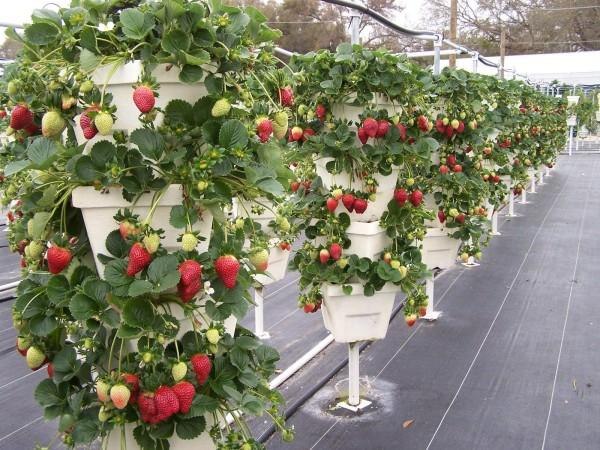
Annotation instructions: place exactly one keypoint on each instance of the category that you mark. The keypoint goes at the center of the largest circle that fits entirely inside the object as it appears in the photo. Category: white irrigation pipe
(9, 286)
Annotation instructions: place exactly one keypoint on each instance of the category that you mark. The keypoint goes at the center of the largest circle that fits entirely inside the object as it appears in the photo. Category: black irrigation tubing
(295, 406)
(379, 18)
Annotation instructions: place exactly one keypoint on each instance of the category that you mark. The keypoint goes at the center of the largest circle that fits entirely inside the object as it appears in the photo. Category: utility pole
(453, 19)
(502, 50)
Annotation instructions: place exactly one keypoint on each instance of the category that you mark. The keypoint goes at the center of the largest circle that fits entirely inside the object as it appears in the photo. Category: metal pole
(259, 314)
(437, 47)
(475, 60)
(431, 314)
(354, 374)
(495, 231)
(355, 29)
(523, 197)
(453, 15)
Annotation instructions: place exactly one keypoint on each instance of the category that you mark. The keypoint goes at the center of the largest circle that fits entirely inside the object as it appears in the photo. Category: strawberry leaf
(139, 313)
(161, 267)
(191, 428)
(140, 287)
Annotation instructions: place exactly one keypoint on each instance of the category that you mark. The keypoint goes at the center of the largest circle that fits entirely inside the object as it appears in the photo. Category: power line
(300, 21)
(566, 8)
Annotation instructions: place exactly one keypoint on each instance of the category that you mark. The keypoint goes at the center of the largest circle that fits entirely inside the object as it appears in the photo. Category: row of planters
(163, 161)
(397, 170)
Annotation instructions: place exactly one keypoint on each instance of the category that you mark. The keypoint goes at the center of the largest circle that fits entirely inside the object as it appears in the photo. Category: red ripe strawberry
(401, 196)
(496, 178)
(309, 308)
(402, 130)
(202, 366)
(85, 121)
(58, 258)
(335, 251)
(416, 197)
(320, 112)
(411, 319)
(286, 96)
(147, 407)
(50, 369)
(360, 205)
(227, 268)
(441, 216)
(296, 133)
(21, 117)
(308, 132)
(451, 160)
(443, 169)
(32, 129)
(422, 311)
(468, 149)
(185, 392)
(294, 186)
(166, 403)
(189, 291)
(362, 135)
(439, 126)
(457, 168)
(370, 126)
(2, 113)
(460, 218)
(133, 381)
(383, 127)
(139, 259)
(264, 128)
(423, 123)
(143, 97)
(449, 131)
(190, 271)
(348, 201)
(332, 204)
(461, 127)
(90, 132)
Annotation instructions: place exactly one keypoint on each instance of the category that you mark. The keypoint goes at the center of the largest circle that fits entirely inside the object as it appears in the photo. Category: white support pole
(474, 61)
(437, 47)
(511, 201)
(570, 141)
(259, 314)
(431, 314)
(354, 374)
(541, 182)
(355, 29)
(523, 197)
(547, 171)
(495, 231)
(532, 175)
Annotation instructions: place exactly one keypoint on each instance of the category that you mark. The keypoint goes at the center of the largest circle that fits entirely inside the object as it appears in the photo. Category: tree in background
(532, 26)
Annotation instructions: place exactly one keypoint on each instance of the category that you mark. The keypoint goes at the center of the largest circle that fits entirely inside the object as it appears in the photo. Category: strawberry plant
(138, 327)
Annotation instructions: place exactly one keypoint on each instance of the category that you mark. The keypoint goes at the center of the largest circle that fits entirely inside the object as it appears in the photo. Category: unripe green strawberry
(12, 88)
(23, 344)
(213, 336)
(221, 108)
(283, 223)
(34, 250)
(179, 371)
(86, 86)
(239, 223)
(189, 242)
(104, 123)
(259, 258)
(53, 124)
(102, 389)
(119, 395)
(281, 118)
(103, 414)
(151, 242)
(35, 358)
(279, 131)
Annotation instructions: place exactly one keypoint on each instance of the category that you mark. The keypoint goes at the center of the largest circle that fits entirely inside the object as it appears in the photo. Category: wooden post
(502, 50)
(453, 19)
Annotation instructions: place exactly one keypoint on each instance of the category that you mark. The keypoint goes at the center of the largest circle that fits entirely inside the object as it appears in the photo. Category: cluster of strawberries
(351, 202)
(401, 196)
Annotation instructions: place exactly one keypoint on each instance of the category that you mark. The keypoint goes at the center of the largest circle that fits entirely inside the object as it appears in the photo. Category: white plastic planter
(572, 121)
(374, 209)
(439, 249)
(119, 83)
(598, 116)
(572, 100)
(202, 442)
(429, 202)
(98, 210)
(368, 240)
(346, 180)
(243, 208)
(348, 112)
(356, 317)
(278, 262)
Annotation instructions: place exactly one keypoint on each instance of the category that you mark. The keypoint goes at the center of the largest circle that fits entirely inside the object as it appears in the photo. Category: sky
(20, 11)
